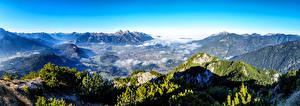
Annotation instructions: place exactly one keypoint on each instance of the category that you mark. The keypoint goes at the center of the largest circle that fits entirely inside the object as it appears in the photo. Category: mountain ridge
(282, 57)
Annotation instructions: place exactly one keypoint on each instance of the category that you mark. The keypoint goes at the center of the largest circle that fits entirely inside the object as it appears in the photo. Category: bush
(31, 75)
(42, 101)
(8, 76)
(94, 88)
(26, 89)
(156, 73)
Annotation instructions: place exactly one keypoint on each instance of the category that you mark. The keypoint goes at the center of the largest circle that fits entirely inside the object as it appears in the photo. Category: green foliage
(57, 77)
(42, 101)
(290, 82)
(26, 89)
(31, 75)
(96, 89)
(186, 98)
(89, 88)
(148, 93)
(240, 98)
(233, 70)
(244, 97)
(156, 73)
(8, 76)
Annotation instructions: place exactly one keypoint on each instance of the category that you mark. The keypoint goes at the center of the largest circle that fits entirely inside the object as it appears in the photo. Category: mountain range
(227, 45)
(11, 44)
(282, 57)
(127, 66)
(120, 37)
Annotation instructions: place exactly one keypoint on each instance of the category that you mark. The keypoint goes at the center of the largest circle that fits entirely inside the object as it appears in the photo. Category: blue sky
(158, 17)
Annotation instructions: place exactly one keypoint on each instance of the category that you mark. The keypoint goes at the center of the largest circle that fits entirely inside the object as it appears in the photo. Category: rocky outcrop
(12, 94)
(144, 77)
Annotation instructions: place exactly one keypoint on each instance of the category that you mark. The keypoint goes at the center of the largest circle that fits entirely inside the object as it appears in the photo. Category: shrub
(42, 101)
(8, 76)
(26, 89)
(156, 73)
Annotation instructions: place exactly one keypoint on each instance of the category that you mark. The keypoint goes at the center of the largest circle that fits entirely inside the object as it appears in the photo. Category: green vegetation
(62, 80)
(94, 88)
(290, 82)
(156, 73)
(241, 97)
(232, 70)
(26, 89)
(8, 76)
(42, 101)
(31, 75)
(244, 97)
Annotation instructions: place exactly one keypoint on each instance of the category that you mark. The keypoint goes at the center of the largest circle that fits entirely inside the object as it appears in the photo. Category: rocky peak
(201, 58)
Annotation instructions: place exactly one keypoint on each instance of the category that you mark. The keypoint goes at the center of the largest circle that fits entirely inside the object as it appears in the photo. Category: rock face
(226, 45)
(144, 77)
(197, 76)
(283, 57)
(12, 94)
(120, 38)
(31, 84)
(140, 78)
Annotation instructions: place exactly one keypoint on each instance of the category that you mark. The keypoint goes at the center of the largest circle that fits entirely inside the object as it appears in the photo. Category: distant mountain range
(120, 37)
(226, 45)
(282, 57)
(41, 37)
(10, 44)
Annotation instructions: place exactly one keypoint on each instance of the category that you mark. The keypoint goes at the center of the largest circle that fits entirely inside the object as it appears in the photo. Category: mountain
(24, 65)
(201, 80)
(70, 51)
(119, 37)
(41, 37)
(202, 67)
(10, 44)
(282, 57)
(69, 37)
(226, 45)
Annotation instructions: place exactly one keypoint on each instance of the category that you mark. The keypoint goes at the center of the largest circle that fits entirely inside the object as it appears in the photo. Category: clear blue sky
(164, 17)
